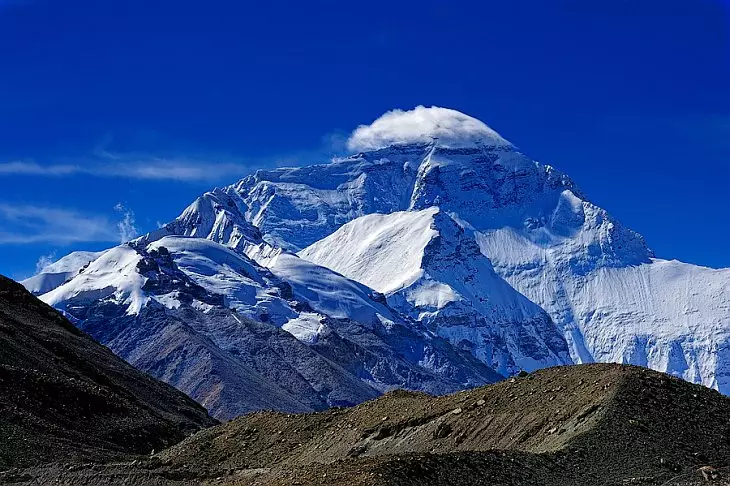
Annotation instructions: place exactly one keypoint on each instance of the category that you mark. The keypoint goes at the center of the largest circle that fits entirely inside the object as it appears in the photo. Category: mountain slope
(666, 315)
(585, 425)
(65, 397)
(599, 281)
(577, 425)
(431, 269)
(239, 336)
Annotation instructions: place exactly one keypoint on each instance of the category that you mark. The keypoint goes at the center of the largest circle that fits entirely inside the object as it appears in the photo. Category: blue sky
(112, 108)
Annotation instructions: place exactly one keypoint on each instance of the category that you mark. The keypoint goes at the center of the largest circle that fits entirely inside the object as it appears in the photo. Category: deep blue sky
(630, 98)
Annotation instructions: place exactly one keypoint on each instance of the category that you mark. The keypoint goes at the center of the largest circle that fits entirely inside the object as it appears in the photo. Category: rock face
(490, 223)
(66, 397)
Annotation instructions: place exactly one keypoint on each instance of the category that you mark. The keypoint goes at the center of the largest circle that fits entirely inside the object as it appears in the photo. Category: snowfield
(242, 333)
(666, 315)
(112, 276)
(53, 275)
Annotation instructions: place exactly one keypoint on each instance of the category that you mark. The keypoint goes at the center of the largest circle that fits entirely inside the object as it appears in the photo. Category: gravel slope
(599, 424)
(64, 397)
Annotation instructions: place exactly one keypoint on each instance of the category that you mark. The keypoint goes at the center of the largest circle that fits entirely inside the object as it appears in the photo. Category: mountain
(484, 261)
(584, 425)
(431, 269)
(237, 335)
(67, 398)
(602, 286)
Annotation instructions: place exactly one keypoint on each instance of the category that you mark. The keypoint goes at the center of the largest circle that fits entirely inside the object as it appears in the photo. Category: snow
(542, 233)
(324, 290)
(113, 275)
(313, 338)
(434, 295)
(55, 274)
(432, 270)
(423, 125)
(381, 251)
(667, 315)
(215, 215)
(246, 283)
(170, 300)
(306, 327)
(217, 269)
(503, 256)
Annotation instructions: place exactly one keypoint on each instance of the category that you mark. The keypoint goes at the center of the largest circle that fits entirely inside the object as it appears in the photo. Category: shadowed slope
(63, 396)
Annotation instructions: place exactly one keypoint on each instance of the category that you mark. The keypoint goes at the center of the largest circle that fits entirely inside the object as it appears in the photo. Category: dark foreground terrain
(72, 413)
(596, 424)
(64, 397)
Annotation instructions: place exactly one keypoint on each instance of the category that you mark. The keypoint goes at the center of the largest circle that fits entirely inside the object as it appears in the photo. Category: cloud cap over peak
(422, 125)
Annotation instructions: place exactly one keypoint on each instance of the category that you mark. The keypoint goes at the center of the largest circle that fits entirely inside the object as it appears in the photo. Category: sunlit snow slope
(53, 275)
(431, 269)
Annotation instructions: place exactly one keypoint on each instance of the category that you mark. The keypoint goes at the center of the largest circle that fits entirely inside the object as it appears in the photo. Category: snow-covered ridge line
(55, 274)
(301, 336)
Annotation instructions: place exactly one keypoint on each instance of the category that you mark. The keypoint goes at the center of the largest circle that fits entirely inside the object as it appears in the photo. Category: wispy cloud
(133, 168)
(44, 261)
(126, 227)
(23, 224)
(161, 166)
(32, 168)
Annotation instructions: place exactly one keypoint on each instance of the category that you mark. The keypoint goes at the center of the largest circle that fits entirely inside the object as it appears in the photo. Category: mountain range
(436, 257)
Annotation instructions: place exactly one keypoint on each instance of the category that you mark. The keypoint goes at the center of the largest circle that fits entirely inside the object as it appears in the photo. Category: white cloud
(133, 168)
(32, 168)
(127, 230)
(22, 224)
(422, 125)
(44, 261)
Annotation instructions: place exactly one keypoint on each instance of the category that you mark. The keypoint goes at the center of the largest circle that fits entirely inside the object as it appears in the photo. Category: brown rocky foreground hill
(64, 397)
(598, 424)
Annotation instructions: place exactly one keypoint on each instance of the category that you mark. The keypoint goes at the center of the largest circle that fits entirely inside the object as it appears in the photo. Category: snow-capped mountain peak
(55, 274)
(269, 330)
